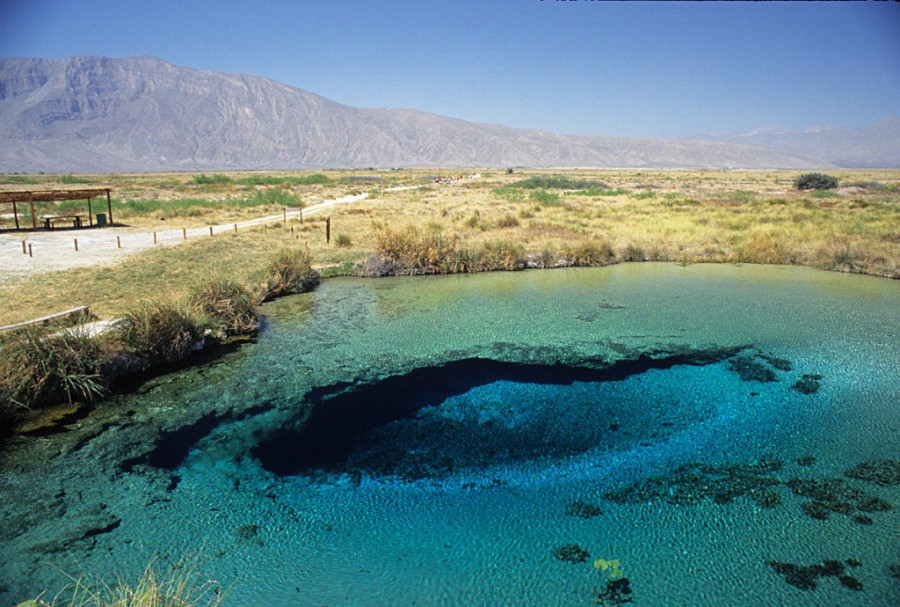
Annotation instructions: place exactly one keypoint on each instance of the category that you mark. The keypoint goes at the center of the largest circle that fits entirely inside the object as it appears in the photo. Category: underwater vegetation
(583, 509)
(617, 589)
(692, 483)
(808, 384)
(837, 496)
(571, 553)
(806, 577)
(881, 472)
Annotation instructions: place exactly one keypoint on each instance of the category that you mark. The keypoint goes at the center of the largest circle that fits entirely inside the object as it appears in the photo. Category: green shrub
(288, 180)
(160, 332)
(509, 194)
(815, 181)
(214, 179)
(227, 306)
(39, 368)
(559, 183)
(289, 271)
(545, 198)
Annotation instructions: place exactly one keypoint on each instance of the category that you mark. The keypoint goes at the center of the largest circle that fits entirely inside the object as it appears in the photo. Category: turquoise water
(436, 441)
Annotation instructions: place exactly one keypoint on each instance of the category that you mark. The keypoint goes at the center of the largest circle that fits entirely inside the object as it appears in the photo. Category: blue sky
(669, 69)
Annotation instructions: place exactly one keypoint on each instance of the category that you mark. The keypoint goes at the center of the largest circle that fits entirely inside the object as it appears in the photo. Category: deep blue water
(437, 441)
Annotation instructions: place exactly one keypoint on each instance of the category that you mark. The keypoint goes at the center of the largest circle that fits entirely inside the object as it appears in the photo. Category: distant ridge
(97, 114)
(874, 146)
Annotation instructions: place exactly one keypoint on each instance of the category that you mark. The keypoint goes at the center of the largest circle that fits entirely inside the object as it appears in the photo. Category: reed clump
(180, 587)
(289, 271)
(411, 250)
(39, 367)
(159, 332)
(227, 307)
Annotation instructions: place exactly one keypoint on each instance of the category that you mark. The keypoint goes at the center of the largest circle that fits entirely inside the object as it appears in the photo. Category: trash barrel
(101, 220)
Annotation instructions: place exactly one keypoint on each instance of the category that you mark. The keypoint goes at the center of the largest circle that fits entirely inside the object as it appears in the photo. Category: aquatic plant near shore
(227, 306)
(289, 272)
(38, 367)
(411, 250)
(179, 588)
(160, 332)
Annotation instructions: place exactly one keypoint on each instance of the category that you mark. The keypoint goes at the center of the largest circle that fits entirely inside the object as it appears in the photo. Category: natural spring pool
(712, 435)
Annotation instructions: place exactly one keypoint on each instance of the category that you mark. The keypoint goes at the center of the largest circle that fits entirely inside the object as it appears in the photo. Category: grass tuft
(289, 272)
(38, 367)
(160, 332)
(227, 306)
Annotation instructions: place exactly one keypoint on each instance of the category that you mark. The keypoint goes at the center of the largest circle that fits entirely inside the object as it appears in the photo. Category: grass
(39, 366)
(159, 331)
(289, 272)
(178, 587)
(683, 216)
(227, 306)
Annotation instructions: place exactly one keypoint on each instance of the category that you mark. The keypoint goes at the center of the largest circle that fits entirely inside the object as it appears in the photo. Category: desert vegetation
(536, 218)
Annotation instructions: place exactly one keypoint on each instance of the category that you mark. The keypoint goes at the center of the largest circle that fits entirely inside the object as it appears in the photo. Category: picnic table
(50, 221)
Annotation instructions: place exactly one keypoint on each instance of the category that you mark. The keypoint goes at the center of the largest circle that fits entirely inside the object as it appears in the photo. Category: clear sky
(669, 69)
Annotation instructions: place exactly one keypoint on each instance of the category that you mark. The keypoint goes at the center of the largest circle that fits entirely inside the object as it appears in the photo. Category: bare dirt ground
(55, 250)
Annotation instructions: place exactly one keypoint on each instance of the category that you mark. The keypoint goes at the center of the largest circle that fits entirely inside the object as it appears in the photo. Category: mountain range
(98, 114)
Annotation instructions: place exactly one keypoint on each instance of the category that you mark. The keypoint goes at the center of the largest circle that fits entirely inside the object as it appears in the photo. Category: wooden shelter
(15, 197)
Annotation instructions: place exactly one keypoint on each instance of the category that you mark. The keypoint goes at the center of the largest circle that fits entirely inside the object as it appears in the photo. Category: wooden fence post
(30, 254)
(154, 237)
(24, 250)
(119, 242)
(328, 229)
(184, 233)
(76, 245)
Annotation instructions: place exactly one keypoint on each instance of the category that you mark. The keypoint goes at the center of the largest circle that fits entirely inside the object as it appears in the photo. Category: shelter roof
(51, 195)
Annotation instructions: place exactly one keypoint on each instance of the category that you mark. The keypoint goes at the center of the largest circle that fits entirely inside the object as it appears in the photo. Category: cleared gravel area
(55, 250)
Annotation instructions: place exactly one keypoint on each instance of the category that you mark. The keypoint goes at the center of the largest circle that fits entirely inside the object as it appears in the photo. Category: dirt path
(55, 250)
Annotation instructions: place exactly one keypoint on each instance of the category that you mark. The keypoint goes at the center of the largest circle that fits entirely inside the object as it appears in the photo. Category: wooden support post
(76, 245)
(30, 254)
(119, 242)
(285, 214)
(184, 233)
(154, 237)
(24, 249)
(301, 214)
(33, 216)
(109, 207)
(328, 229)
(90, 214)
(16, 214)
(235, 228)
(210, 230)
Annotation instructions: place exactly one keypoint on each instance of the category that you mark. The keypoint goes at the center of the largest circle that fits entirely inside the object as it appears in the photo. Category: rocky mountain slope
(142, 114)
